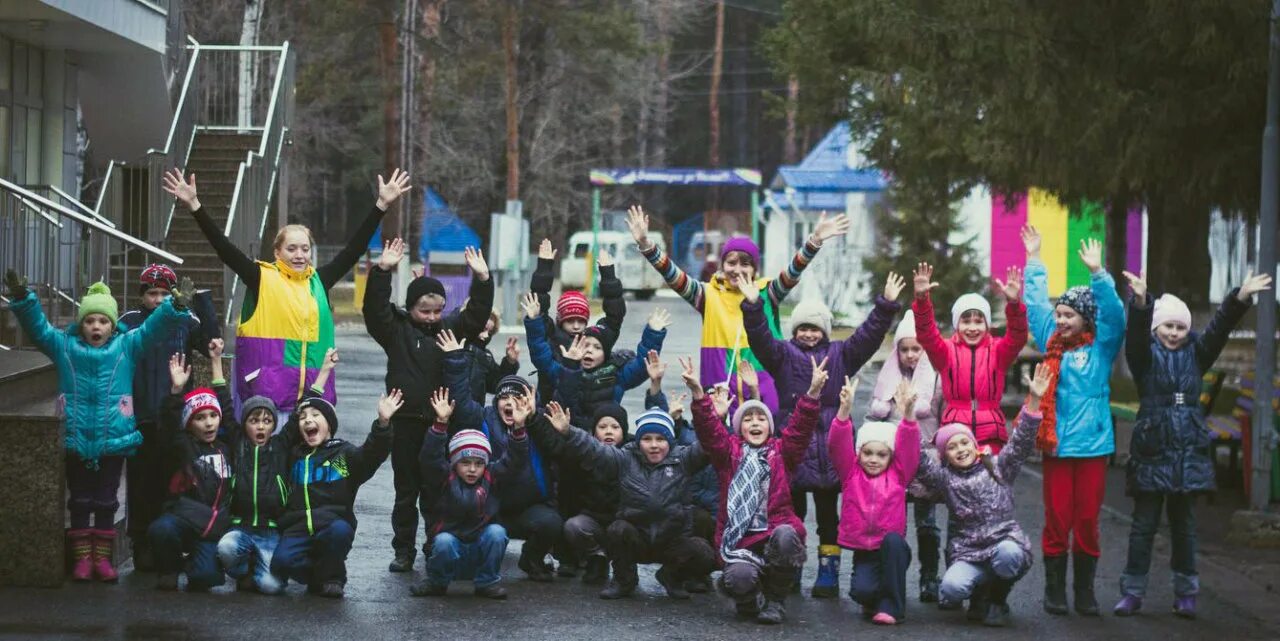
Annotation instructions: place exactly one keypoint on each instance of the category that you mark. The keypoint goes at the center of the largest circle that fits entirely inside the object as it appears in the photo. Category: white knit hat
(810, 311)
(1170, 308)
(970, 302)
(875, 431)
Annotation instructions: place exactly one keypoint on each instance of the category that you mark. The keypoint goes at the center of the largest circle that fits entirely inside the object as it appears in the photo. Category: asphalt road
(378, 605)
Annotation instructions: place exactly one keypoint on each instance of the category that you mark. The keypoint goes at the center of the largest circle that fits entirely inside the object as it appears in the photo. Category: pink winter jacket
(973, 377)
(724, 451)
(872, 506)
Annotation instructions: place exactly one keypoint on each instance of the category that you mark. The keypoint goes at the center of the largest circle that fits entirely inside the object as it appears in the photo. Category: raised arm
(540, 348)
(1023, 440)
(1137, 342)
(688, 288)
(864, 343)
(475, 314)
(771, 352)
(615, 308)
(544, 275)
(1039, 309)
(634, 373)
(161, 322)
(906, 450)
(432, 459)
(514, 458)
(1110, 312)
(927, 333)
(26, 308)
(1015, 313)
(799, 430)
(388, 192)
(1213, 339)
(789, 277)
(366, 460)
(378, 310)
(204, 323)
(606, 459)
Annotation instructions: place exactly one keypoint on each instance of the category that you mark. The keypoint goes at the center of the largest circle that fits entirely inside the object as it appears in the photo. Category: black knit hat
(324, 407)
(510, 386)
(422, 286)
(615, 412)
(605, 335)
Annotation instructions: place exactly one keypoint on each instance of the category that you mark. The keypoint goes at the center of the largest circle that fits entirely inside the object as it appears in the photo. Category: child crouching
(987, 550)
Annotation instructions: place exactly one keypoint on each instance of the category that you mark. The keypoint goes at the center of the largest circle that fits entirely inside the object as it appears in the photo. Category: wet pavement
(378, 605)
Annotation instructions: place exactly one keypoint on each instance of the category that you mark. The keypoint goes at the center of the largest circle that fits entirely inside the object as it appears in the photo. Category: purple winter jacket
(788, 362)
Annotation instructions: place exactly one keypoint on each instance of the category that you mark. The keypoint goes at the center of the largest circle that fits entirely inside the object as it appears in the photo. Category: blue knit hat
(656, 421)
(1080, 298)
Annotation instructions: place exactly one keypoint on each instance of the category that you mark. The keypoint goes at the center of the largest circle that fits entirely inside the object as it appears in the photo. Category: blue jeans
(170, 539)
(962, 577)
(879, 581)
(1182, 537)
(316, 559)
(482, 560)
(241, 546)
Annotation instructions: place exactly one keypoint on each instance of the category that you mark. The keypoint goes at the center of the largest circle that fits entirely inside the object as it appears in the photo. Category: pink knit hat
(948, 432)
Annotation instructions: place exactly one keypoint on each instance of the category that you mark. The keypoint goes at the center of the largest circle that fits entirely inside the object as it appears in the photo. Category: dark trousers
(928, 537)
(148, 485)
(171, 539)
(704, 524)
(315, 559)
(406, 443)
(684, 557)
(1147, 507)
(93, 491)
(538, 525)
(826, 505)
(879, 581)
(783, 553)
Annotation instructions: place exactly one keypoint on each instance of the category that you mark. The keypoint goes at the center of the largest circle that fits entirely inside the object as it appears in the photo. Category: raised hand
(638, 223)
(183, 190)
(388, 405)
(442, 404)
(545, 250)
(216, 347)
(1091, 254)
(676, 406)
(690, 378)
(1253, 283)
(330, 359)
(390, 190)
(659, 319)
(577, 349)
(392, 252)
(721, 399)
(893, 285)
(559, 417)
(655, 368)
(513, 349)
(179, 372)
(747, 374)
(604, 259)
(523, 408)
(182, 293)
(447, 342)
(1031, 240)
(475, 260)
(922, 280)
(819, 377)
(746, 287)
(1138, 285)
(1011, 286)
(904, 398)
(830, 227)
(530, 305)
(847, 392)
(17, 285)
(1038, 386)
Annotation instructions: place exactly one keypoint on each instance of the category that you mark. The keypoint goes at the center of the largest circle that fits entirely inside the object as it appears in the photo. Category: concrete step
(27, 378)
(228, 140)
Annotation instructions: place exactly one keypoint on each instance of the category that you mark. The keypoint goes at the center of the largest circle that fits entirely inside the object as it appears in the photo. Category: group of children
(483, 456)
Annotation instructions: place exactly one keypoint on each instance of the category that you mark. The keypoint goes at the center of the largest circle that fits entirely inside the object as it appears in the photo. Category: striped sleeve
(688, 288)
(790, 277)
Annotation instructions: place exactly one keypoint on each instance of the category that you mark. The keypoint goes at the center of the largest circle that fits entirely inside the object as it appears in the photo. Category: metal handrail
(75, 202)
(88, 221)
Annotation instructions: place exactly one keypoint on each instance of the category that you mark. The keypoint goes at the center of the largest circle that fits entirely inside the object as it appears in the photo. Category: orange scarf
(1047, 436)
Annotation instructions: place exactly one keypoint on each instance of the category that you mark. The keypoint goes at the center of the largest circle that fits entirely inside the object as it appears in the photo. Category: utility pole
(1264, 437)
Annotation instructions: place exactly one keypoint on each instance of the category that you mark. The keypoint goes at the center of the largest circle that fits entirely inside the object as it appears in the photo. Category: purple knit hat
(741, 244)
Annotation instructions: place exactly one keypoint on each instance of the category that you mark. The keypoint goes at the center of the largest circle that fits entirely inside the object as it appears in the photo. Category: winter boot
(1055, 584)
(1185, 606)
(494, 591)
(827, 585)
(403, 561)
(1083, 569)
(775, 586)
(672, 583)
(749, 607)
(997, 615)
(597, 571)
(332, 589)
(927, 542)
(773, 612)
(623, 583)
(81, 542)
(978, 601)
(1128, 606)
(103, 551)
(535, 569)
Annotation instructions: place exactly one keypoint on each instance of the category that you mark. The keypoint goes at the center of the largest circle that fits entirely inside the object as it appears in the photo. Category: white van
(636, 274)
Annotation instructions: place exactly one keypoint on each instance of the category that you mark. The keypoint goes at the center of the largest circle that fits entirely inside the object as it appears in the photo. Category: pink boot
(81, 542)
(103, 550)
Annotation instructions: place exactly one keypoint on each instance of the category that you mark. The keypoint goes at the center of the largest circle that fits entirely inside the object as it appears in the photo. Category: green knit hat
(98, 300)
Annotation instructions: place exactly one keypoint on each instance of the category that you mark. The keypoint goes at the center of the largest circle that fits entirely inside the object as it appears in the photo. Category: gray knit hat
(257, 403)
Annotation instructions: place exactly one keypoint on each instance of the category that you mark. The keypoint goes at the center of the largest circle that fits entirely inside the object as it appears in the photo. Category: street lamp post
(1263, 437)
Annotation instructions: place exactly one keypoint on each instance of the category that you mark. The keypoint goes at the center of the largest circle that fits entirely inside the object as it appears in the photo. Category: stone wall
(32, 475)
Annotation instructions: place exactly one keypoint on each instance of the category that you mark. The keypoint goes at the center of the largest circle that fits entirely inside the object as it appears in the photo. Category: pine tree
(920, 225)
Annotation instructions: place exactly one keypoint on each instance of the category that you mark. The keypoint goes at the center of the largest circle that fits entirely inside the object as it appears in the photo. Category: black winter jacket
(151, 375)
(615, 311)
(1169, 451)
(259, 473)
(324, 480)
(458, 508)
(200, 488)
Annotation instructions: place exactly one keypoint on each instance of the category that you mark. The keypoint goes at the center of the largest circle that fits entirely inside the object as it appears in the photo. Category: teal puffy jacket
(95, 384)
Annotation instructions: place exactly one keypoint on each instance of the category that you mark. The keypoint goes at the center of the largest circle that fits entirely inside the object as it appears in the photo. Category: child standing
(468, 540)
(759, 537)
(1169, 460)
(875, 467)
(1080, 337)
(907, 363)
(98, 410)
(197, 513)
(972, 363)
(986, 548)
(790, 364)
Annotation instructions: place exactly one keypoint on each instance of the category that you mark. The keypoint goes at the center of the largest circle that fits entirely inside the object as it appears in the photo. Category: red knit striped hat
(469, 444)
(198, 400)
(572, 304)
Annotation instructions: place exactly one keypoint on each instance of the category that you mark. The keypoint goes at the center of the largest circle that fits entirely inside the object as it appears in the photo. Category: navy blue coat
(151, 375)
(1169, 452)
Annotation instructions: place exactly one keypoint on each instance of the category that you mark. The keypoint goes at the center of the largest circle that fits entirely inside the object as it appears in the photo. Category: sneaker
(675, 589)
(1185, 606)
(1128, 606)
(494, 591)
(424, 588)
(597, 570)
(617, 590)
(929, 589)
(536, 570)
(884, 618)
(773, 613)
(997, 615)
(332, 590)
(167, 582)
(403, 561)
